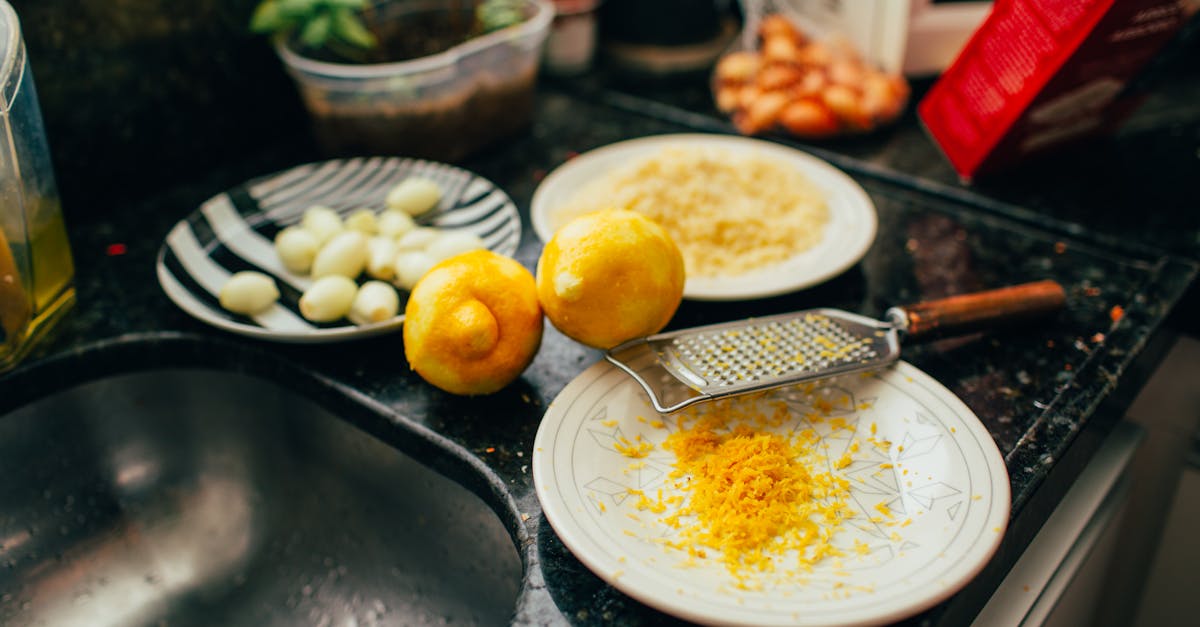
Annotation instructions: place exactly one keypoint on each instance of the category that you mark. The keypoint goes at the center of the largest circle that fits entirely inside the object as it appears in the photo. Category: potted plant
(436, 79)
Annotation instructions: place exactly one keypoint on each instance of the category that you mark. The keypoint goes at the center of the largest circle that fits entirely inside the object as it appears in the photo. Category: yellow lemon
(473, 323)
(610, 276)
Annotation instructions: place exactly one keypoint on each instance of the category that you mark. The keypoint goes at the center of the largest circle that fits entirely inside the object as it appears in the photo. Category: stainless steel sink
(211, 498)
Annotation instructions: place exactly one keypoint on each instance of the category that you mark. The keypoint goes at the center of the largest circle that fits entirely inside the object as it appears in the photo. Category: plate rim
(539, 212)
(201, 312)
(1000, 508)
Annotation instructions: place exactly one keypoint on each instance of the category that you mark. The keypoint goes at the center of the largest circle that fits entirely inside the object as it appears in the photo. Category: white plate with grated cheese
(917, 487)
(753, 218)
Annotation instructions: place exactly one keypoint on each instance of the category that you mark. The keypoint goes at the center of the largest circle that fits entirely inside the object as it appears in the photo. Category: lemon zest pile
(755, 496)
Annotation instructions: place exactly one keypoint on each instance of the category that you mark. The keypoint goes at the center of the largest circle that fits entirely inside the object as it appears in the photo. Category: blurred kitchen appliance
(937, 31)
(664, 38)
(572, 40)
(36, 270)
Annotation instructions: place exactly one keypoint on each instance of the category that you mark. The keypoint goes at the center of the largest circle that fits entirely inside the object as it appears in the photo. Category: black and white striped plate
(235, 231)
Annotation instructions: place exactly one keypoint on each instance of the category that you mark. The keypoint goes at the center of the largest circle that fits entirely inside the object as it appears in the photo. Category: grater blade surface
(684, 367)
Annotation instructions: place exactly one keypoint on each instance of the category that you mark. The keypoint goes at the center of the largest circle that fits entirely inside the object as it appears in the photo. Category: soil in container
(444, 129)
(414, 36)
(448, 125)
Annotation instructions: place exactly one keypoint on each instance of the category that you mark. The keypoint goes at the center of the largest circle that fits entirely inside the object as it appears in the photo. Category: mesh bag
(784, 73)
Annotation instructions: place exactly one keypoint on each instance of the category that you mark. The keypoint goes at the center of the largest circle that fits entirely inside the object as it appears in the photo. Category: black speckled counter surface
(1048, 393)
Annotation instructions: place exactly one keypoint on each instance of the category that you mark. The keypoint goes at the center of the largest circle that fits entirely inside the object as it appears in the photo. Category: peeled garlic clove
(322, 222)
(376, 301)
(414, 196)
(296, 248)
(344, 255)
(451, 243)
(328, 299)
(248, 293)
(363, 220)
(417, 239)
(395, 224)
(411, 266)
(381, 257)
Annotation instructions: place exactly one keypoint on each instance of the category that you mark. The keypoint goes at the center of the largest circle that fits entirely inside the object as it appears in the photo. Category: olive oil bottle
(36, 269)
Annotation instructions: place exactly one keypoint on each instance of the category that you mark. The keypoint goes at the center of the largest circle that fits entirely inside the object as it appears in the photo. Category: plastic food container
(36, 270)
(443, 106)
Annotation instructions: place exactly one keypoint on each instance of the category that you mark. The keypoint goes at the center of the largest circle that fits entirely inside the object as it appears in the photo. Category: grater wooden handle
(970, 312)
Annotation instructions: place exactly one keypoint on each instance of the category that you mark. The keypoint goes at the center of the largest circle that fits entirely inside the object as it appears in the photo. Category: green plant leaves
(497, 14)
(316, 30)
(298, 8)
(267, 18)
(349, 28)
(316, 21)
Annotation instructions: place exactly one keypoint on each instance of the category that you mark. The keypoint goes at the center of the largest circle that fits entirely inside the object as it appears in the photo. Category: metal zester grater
(685, 367)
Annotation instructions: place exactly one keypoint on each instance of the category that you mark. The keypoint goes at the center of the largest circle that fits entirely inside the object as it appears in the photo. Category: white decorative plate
(941, 478)
(235, 230)
(848, 235)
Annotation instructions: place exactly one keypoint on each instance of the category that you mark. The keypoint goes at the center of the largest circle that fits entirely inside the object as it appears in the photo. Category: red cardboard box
(1039, 74)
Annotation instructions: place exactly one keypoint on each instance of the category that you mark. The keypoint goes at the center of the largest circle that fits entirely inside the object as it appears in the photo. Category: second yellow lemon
(473, 323)
(610, 276)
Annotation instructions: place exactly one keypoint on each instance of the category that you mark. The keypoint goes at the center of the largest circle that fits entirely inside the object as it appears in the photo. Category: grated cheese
(729, 213)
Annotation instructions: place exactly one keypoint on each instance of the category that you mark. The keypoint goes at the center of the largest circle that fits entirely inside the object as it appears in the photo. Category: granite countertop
(1048, 392)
